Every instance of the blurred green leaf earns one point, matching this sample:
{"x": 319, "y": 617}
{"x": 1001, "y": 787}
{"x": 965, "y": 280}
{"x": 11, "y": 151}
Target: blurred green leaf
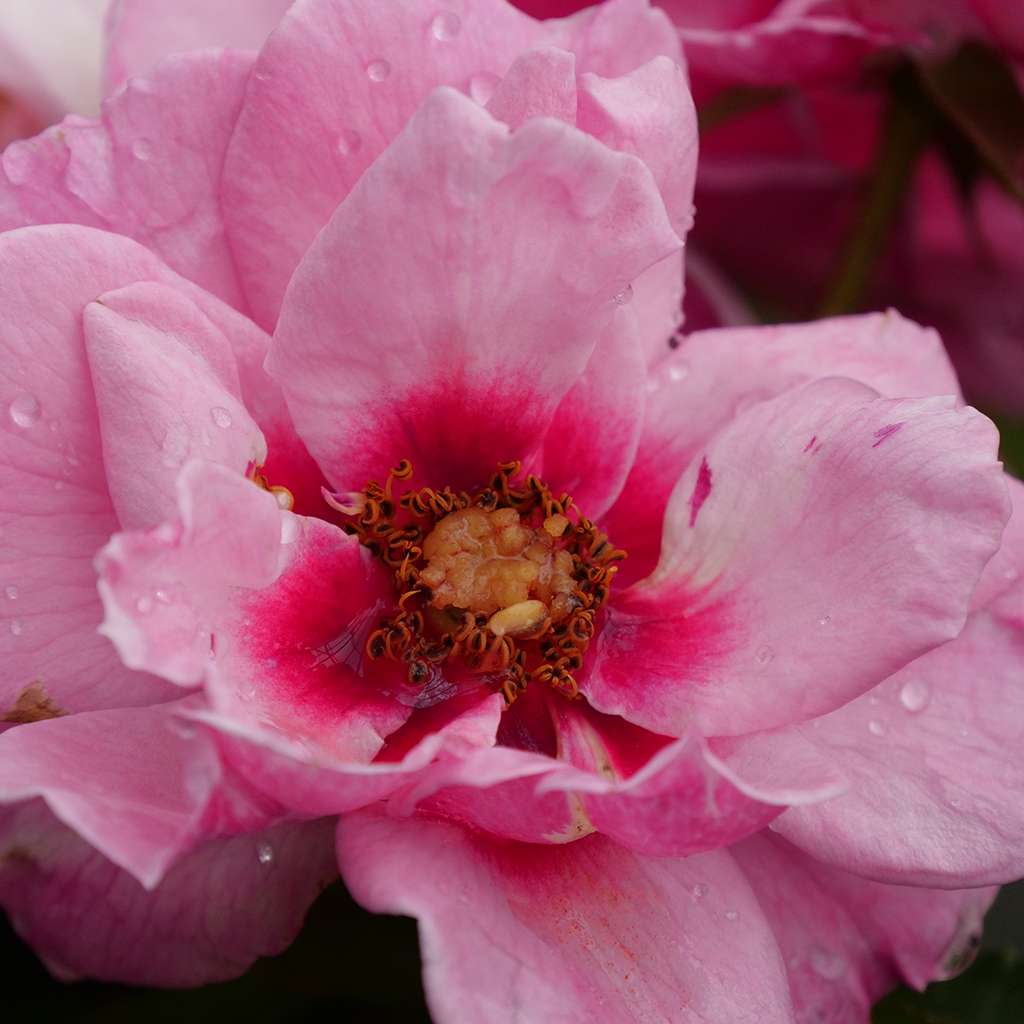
{"x": 991, "y": 992}
{"x": 977, "y": 91}
{"x": 1011, "y": 450}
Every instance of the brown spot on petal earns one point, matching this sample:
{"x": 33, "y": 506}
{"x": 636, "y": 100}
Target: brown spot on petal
{"x": 32, "y": 705}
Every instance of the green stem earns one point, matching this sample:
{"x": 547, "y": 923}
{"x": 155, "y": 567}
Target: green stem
{"x": 905, "y": 133}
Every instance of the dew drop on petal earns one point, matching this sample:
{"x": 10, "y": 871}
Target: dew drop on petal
{"x": 144, "y": 605}
{"x": 876, "y": 727}
{"x": 378, "y": 70}
{"x": 624, "y": 297}
{"x": 349, "y": 142}
{"x": 699, "y": 891}
{"x": 481, "y": 88}
{"x": 827, "y": 964}
{"x": 824, "y": 620}
{"x": 16, "y": 627}
{"x": 915, "y": 695}
{"x": 265, "y": 853}
{"x": 24, "y": 411}
{"x": 11, "y": 591}
{"x": 679, "y": 370}
{"x": 142, "y": 149}
{"x": 732, "y": 915}
{"x": 221, "y": 417}
{"x": 445, "y": 26}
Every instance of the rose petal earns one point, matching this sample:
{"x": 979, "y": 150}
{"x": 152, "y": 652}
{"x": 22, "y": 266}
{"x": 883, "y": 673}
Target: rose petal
{"x": 576, "y": 934}
{"x": 462, "y": 364}
{"x": 801, "y": 520}
{"x": 217, "y": 910}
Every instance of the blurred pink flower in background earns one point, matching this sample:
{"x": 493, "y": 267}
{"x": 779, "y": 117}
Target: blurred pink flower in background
{"x": 791, "y": 776}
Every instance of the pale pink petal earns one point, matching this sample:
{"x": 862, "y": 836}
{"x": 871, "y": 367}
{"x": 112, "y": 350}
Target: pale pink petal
{"x": 944, "y": 737}
{"x": 729, "y": 636}
{"x": 51, "y": 52}
{"x": 270, "y": 609}
{"x": 712, "y": 376}
{"x": 649, "y": 112}
{"x": 459, "y": 362}
{"x": 576, "y": 934}
{"x": 149, "y": 168}
{"x": 220, "y": 907}
{"x": 616, "y": 36}
{"x": 126, "y": 780}
{"x": 51, "y": 465}
{"x": 541, "y": 83}
{"x": 335, "y": 83}
{"x": 154, "y": 360}
{"x": 142, "y": 33}
{"x": 1006, "y": 567}
{"x": 846, "y": 941}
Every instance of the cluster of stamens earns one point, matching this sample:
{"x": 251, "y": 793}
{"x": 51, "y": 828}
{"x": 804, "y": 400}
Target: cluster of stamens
{"x": 530, "y": 580}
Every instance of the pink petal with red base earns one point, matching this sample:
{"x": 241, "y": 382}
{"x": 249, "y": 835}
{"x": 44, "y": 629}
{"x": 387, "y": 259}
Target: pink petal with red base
{"x": 942, "y": 736}
{"x": 125, "y": 780}
{"x": 143, "y": 33}
{"x": 577, "y": 934}
{"x": 218, "y": 909}
{"x": 715, "y": 375}
{"x": 51, "y": 462}
{"x": 271, "y": 609}
{"x": 149, "y": 168}
{"x": 311, "y": 781}
{"x": 847, "y": 941}
{"x": 154, "y": 361}
{"x": 671, "y": 798}
{"x": 463, "y": 363}
{"x": 803, "y": 517}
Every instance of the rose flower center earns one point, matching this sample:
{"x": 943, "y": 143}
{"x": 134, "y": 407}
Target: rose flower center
{"x": 507, "y": 579}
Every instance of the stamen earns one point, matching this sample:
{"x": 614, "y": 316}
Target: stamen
{"x": 510, "y": 583}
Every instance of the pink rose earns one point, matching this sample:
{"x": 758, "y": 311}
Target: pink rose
{"x": 331, "y": 586}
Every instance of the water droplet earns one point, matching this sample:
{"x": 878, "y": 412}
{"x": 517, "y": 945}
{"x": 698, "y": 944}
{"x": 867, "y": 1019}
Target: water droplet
{"x": 185, "y": 729}
{"x": 17, "y": 161}
{"x": 445, "y": 26}
{"x": 378, "y": 70}
{"x": 142, "y": 149}
{"x": 624, "y": 297}
{"x": 481, "y": 88}
{"x": 349, "y": 142}
{"x": 144, "y": 604}
{"x": 679, "y": 370}
{"x": 163, "y": 597}
{"x": 265, "y": 853}
{"x": 699, "y": 891}
{"x": 175, "y": 447}
{"x": 16, "y": 627}
{"x": 915, "y": 695}
{"x": 221, "y": 417}
{"x": 827, "y": 964}
{"x": 24, "y": 411}
{"x": 824, "y": 620}
{"x": 12, "y": 592}
{"x": 732, "y": 915}
{"x": 877, "y": 728}
{"x": 764, "y": 655}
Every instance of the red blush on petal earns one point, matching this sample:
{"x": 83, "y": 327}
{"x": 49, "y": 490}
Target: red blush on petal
{"x": 309, "y": 629}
